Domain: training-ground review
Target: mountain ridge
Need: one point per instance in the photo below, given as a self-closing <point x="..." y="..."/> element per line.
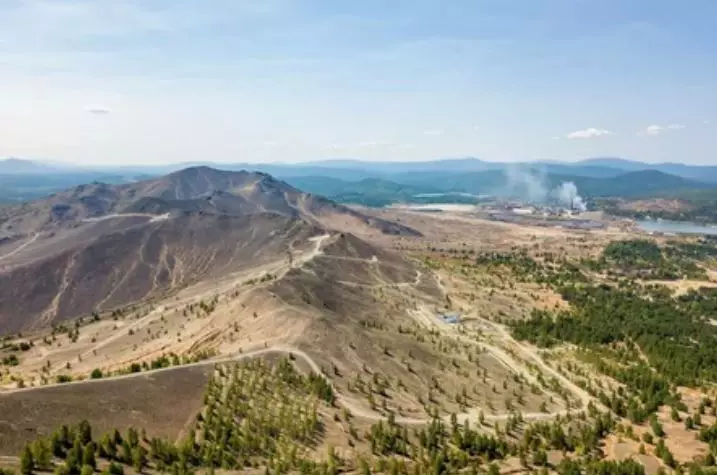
<point x="347" y="182"/>
<point x="196" y="189"/>
<point x="99" y="246"/>
<point x="15" y="165"/>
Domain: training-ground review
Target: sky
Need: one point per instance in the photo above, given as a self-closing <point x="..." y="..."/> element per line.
<point x="159" y="81"/>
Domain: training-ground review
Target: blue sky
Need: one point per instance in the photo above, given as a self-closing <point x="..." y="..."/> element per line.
<point x="157" y="81"/>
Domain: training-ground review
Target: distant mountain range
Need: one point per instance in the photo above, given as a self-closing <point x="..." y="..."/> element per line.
<point x="380" y="183"/>
<point x="420" y="187"/>
<point x="359" y="169"/>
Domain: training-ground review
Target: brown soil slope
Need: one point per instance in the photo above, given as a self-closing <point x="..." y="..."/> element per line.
<point x="97" y="247"/>
<point x="350" y="287"/>
<point x="162" y="402"/>
<point x="142" y="261"/>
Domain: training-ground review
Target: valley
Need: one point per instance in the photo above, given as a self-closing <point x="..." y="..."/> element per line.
<point x="358" y="238"/>
<point x="383" y="325"/>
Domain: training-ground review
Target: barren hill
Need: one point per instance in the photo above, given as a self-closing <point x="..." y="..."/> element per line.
<point x="184" y="271"/>
<point x="193" y="189"/>
<point x="142" y="261"/>
<point x="99" y="247"/>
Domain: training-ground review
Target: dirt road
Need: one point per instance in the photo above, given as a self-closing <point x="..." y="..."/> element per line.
<point x="356" y="408"/>
<point x="583" y="395"/>
<point x="20" y="247"/>
<point x="426" y="319"/>
<point x="152" y="217"/>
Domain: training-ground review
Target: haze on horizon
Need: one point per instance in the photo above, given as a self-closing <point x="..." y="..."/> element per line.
<point x="136" y="82"/>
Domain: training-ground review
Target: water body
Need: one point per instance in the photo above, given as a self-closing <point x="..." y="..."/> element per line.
<point x="449" y="194"/>
<point x="676" y="227"/>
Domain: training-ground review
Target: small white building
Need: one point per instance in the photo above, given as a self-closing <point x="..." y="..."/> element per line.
<point x="524" y="211"/>
<point x="452" y="318"/>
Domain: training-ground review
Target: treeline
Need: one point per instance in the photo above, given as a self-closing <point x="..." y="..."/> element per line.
<point x="701" y="209"/>
<point x="551" y="270"/>
<point x="645" y="259"/>
<point x="672" y="334"/>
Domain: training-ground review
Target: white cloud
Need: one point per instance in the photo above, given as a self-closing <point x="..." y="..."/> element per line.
<point x="269" y="143"/>
<point x="433" y="132"/>
<point x="588" y="133"/>
<point x="98" y="109"/>
<point x="655" y="129"/>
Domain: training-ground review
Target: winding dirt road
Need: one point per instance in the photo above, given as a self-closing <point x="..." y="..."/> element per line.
<point x="356" y="408"/>
<point x="583" y="395"/>
<point x="20" y="247"/>
<point x="424" y="318"/>
<point x="152" y="217"/>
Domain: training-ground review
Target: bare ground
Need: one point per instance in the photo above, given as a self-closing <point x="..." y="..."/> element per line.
<point x="160" y="402"/>
<point x="367" y="317"/>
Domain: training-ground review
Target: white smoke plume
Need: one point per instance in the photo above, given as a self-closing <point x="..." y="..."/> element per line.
<point x="567" y="195"/>
<point x="527" y="185"/>
<point x="531" y="185"/>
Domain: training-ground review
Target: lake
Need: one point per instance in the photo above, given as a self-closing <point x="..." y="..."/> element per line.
<point x="676" y="227"/>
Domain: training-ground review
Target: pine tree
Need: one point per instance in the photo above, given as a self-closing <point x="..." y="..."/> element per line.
<point x="116" y="437"/>
<point x="139" y="458"/>
<point x="364" y="467"/>
<point x="62" y="470"/>
<point x="56" y="445"/>
<point x="126" y="452"/>
<point x="65" y="436"/>
<point x="42" y="453"/>
<point x="27" y="461"/>
<point x="84" y="432"/>
<point x="72" y="461"/>
<point x="132" y="437"/>
<point x="115" y="469"/>
<point x="540" y="458"/>
<point x="88" y="456"/>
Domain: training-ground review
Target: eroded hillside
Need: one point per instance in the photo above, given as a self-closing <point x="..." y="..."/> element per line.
<point x="143" y="261"/>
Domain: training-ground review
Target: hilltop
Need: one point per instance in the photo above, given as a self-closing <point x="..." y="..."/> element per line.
<point x="99" y="246"/>
<point x="196" y="189"/>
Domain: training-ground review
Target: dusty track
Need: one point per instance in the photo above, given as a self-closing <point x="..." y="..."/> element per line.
<point x="20" y="247"/>
<point x="583" y="395"/>
<point x="355" y="408"/>
<point x="278" y="269"/>
<point x="152" y="217"/>
<point x="424" y="319"/>
<point x="119" y="334"/>
<point x="385" y="284"/>
<point x="353" y="405"/>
